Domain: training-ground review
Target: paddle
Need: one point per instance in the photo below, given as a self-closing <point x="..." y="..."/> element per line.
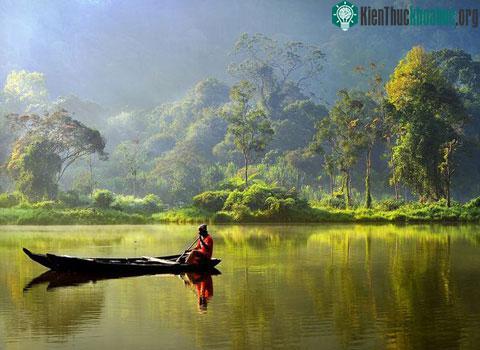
<point x="186" y="250"/>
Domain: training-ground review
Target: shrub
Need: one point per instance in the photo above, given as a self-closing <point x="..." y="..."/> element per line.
<point x="147" y="205"/>
<point x="183" y="215"/>
<point x="211" y="200"/>
<point x="241" y="212"/>
<point x="336" y="201"/>
<point x="474" y="203"/>
<point x="72" y="199"/>
<point x="47" y="205"/>
<point x="152" y="203"/>
<point x="256" y="195"/>
<point x="222" y="217"/>
<point x="102" y="198"/>
<point x="8" y="200"/>
<point x="235" y="197"/>
<point x="390" y="204"/>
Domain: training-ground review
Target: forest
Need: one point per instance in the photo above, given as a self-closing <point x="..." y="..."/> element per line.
<point x="397" y="144"/>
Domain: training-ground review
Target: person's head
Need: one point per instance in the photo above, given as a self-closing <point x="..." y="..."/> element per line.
<point x="202" y="229"/>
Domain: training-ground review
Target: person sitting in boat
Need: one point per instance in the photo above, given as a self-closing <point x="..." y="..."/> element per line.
<point x="204" y="249"/>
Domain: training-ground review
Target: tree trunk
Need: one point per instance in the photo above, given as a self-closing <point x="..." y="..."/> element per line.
<point x="346" y="186"/>
<point x="135" y="183"/>
<point x="331" y="184"/>
<point x="448" y="193"/>
<point x="368" y="195"/>
<point x="92" y="179"/>
<point x="245" y="158"/>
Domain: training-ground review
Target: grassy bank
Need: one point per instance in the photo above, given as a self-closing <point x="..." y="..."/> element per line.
<point x="259" y="203"/>
<point x="408" y="214"/>
<point x="89" y="216"/>
<point x="79" y="216"/>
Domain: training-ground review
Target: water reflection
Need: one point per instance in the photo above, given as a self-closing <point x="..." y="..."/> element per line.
<point x="56" y="279"/>
<point x="202" y="284"/>
<point x="342" y="286"/>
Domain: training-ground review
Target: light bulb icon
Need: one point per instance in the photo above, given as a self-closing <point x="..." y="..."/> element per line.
<point x="344" y="14"/>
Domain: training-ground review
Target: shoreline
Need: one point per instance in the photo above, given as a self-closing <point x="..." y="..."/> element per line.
<point x="428" y="214"/>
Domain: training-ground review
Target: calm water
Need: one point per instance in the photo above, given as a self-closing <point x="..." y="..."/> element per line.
<point x="325" y="286"/>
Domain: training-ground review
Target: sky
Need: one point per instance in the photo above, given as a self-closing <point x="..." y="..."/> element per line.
<point x="141" y="53"/>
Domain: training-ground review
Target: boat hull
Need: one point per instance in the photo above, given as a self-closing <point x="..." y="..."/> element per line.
<point x="144" y="265"/>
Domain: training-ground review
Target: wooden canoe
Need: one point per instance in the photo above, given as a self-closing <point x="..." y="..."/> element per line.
<point x="125" y="266"/>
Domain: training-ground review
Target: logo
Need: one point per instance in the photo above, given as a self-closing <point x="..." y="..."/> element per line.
<point x="344" y="15"/>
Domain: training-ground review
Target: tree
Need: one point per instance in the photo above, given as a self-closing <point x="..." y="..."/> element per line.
<point x="35" y="170"/>
<point x="376" y="121"/>
<point x="25" y="91"/>
<point x="248" y="126"/>
<point x="463" y="73"/>
<point x="340" y="138"/>
<point x="430" y="115"/>
<point x="55" y="139"/>
<point x="67" y="137"/>
<point x="278" y="70"/>
<point x="131" y="157"/>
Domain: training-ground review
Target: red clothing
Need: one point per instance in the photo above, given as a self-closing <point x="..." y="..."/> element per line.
<point x="205" y="287"/>
<point x="206" y="249"/>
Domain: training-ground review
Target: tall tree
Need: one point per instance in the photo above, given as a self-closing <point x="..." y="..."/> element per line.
<point x="249" y="128"/>
<point x="430" y="115"/>
<point x="25" y="92"/>
<point x="376" y="120"/>
<point x="35" y="169"/>
<point x="341" y="138"/>
<point x="58" y="134"/>
<point x="279" y="70"/>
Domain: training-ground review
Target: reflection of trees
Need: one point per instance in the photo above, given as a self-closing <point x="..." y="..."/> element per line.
<point x="348" y="285"/>
<point x="59" y="313"/>
<point x="405" y="286"/>
<point x="38" y="312"/>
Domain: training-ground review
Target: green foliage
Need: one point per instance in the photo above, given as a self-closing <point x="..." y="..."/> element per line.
<point x="148" y="205"/>
<point x="35" y="169"/>
<point x="430" y="115"/>
<point x="184" y="215"/>
<point x="248" y="126"/>
<point x="87" y="216"/>
<point x="211" y="200"/>
<point x="288" y="210"/>
<point x="390" y="204"/>
<point x="341" y="138"/>
<point x="234" y="197"/>
<point x="474" y="203"/>
<point x="255" y="197"/>
<point x="73" y="199"/>
<point x="8" y="200"/>
<point x="102" y="198"/>
<point x="61" y="136"/>
<point x="336" y="201"/>
<point x="258" y="202"/>
<point x="47" y="205"/>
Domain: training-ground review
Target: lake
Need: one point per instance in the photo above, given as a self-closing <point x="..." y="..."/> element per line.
<point x="292" y="287"/>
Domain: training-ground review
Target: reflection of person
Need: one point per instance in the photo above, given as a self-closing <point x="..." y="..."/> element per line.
<point x="204" y="286"/>
<point x="204" y="249"/>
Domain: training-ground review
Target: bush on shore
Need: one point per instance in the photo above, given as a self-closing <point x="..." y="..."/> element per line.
<point x="147" y="205"/>
<point x="8" y="200"/>
<point x="211" y="200"/>
<point x="102" y="198"/>
<point x="86" y="216"/>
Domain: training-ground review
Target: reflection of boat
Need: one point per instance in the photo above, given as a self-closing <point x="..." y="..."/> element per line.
<point x="132" y="266"/>
<point x="56" y="279"/>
